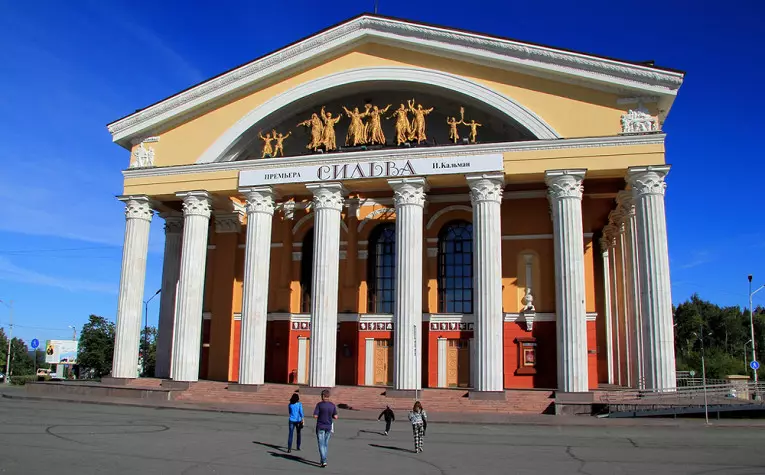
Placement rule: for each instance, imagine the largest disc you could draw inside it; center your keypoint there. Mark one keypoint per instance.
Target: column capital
(617, 219)
(647, 180)
(229, 222)
(327, 195)
(173, 222)
(486, 187)
(565, 183)
(259, 200)
(196, 203)
(409, 191)
(626, 202)
(353, 206)
(137, 207)
(288, 209)
(610, 232)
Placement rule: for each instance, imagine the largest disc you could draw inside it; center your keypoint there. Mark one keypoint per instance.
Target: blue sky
(67, 69)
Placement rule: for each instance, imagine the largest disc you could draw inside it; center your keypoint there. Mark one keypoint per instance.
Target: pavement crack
(634, 444)
(582, 462)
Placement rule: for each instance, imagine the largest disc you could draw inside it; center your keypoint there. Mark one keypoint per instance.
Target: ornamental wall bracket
(639, 121)
(143, 157)
(529, 316)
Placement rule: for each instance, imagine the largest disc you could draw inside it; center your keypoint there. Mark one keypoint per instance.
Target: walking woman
(419, 420)
(296, 420)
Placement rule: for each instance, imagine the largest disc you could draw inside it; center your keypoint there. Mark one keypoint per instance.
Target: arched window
(381, 264)
(455, 268)
(306, 272)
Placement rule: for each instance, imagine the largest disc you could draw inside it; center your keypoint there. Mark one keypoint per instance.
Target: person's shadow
(294, 458)
(270, 446)
(371, 432)
(390, 447)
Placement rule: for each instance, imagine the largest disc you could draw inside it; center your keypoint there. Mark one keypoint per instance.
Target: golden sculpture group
(361, 133)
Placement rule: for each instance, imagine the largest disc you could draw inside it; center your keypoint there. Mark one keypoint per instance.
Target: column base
(487, 395)
(175, 385)
(574, 403)
(110, 381)
(245, 388)
(402, 393)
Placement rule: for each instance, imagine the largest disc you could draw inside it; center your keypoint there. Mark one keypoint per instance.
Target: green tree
(21, 363)
(96, 346)
(150, 359)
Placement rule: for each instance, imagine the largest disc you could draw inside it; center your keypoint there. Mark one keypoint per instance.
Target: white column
(409, 199)
(138, 216)
(171, 268)
(369, 361)
(442, 362)
(486, 197)
(632, 287)
(611, 232)
(604, 249)
(191, 285)
(622, 301)
(565, 193)
(257, 260)
(302, 351)
(648, 189)
(327, 204)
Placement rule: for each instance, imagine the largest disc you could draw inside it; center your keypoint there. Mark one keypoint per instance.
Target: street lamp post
(8, 304)
(746, 366)
(146, 329)
(751, 325)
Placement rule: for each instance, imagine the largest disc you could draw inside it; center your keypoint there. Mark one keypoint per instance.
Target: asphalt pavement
(66, 438)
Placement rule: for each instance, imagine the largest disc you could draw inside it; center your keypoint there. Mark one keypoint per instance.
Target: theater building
(501, 225)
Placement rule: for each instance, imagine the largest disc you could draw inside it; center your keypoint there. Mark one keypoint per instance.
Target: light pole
(146, 329)
(8, 304)
(703, 373)
(74, 332)
(746, 366)
(751, 325)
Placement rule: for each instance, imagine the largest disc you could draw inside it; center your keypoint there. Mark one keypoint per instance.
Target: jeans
(294, 426)
(323, 435)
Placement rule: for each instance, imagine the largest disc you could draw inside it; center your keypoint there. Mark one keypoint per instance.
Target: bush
(22, 380)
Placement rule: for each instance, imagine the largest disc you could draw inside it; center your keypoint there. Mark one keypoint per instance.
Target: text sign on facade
(343, 170)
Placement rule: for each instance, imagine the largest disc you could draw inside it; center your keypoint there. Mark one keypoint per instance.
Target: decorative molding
(511, 317)
(297, 256)
(196, 203)
(142, 157)
(409, 191)
(288, 210)
(386, 325)
(647, 180)
(139, 140)
(300, 223)
(387, 213)
(327, 196)
(363, 254)
(451, 326)
(600, 73)
(228, 223)
(486, 187)
(211, 247)
(259, 200)
(639, 122)
(565, 184)
(343, 254)
(400, 154)
(526, 237)
(432, 252)
(443, 211)
(137, 207)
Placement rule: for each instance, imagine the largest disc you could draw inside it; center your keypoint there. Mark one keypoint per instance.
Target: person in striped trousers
(419, 420)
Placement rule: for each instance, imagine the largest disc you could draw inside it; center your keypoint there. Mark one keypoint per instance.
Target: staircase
(371, 398)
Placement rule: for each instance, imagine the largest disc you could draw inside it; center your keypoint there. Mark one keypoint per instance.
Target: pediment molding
(503, 53)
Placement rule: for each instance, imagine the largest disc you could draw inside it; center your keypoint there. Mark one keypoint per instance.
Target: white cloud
(11, 272)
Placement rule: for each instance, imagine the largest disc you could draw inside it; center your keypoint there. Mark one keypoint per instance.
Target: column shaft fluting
(171, 269)
(565, 194)
(191, 284)
(632, 287)
(648, 189)
(327, 205)
(409, 199)
(138, 216)
(606, 254)
(486, 197)
(257, 260)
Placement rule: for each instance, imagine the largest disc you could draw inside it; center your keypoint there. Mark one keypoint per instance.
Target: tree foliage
(96, 346)
(723, 331)
(149, 335)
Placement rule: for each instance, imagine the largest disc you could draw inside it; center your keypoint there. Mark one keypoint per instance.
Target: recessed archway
(219, 150)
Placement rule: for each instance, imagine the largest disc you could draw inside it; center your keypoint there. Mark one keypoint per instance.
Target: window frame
(455, 268)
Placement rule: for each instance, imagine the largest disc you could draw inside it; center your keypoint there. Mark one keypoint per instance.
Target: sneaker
(323, 464)
(298, 449)
(289, 451)
(386, 432)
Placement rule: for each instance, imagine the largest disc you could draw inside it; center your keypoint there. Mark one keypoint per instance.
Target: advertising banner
(61, 351)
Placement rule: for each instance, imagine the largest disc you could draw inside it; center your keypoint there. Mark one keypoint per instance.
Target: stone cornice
(503, 53)
(398, 154)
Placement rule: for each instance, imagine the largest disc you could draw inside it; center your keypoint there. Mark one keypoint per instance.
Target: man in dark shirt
(324, 414)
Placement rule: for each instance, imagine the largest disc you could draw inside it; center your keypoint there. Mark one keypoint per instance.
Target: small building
(398, 204)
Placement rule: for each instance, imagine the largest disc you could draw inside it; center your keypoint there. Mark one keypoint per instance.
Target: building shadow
(294, 458)
(390, 447)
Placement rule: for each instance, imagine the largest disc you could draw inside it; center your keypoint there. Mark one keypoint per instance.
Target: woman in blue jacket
(296, 420)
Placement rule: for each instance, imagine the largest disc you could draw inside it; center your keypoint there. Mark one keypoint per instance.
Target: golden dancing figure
(473, 129)
(357, 130)
(328, 138)
(403, 128)
(376, 135)
(453, 134)
(418, 121)
(268, 150)
(279, 147)
(317, 131)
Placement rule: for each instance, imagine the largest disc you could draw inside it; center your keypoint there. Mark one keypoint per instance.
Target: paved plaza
(82, 439)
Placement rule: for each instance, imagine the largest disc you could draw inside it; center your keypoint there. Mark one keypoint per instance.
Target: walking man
(324, 414)
(389, 418)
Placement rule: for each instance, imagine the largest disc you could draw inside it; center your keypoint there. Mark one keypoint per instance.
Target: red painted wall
(347, 354)
(592, 355)
(235, 350)
(546, 376)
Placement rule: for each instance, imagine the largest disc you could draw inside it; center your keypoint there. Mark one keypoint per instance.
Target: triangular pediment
(621, 77)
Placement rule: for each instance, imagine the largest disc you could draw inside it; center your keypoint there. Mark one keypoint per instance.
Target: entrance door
(383, 363)
(458, 363)
(304, 360)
